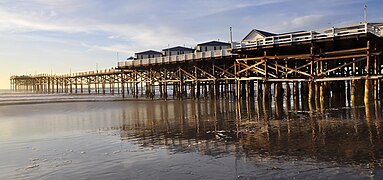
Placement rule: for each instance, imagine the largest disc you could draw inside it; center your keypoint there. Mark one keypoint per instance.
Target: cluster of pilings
(92, 83)
(303, 95)
(325, 73)
(308, 95)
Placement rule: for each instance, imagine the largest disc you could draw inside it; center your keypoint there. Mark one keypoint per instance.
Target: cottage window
(215, 48)
(205, 48)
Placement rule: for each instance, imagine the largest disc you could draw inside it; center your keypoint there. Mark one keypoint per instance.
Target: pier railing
(175, 58)
(69, 75)
(376, 29)
(96, 72)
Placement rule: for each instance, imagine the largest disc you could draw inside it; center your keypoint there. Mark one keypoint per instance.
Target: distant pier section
(317, 67)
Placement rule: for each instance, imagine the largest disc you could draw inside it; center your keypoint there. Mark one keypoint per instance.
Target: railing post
(311, 35)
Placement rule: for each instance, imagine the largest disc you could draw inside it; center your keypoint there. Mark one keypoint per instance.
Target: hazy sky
(59, 36)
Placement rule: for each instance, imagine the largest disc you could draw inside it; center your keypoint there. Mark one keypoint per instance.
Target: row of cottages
(207, 46)
(252, 36)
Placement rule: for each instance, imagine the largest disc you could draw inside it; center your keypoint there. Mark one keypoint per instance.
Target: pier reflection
(257, 129)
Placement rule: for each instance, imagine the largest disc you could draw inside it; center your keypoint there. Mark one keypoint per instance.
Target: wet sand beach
(188, 139)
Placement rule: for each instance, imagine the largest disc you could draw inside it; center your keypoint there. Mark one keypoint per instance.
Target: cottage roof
(293, 32)
(214, 43)
(178, 48)
(148, 52)
(260, 32)
(375, 23)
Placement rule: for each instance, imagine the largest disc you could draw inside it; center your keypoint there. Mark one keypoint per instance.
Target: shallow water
(189, 139)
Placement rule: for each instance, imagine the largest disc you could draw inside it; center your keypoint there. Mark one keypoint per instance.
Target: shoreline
(36, 101)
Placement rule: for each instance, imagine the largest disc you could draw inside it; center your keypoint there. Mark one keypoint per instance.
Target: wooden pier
(314, 69)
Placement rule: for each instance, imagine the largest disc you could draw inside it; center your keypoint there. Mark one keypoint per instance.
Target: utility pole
(168, 50)
(365, 13)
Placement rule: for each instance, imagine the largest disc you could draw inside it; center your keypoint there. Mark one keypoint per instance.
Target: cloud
(149, 34)
(2, 53)
(307, 20)
(112, 48)
(207, 8)
(153, 24)
(147, 23)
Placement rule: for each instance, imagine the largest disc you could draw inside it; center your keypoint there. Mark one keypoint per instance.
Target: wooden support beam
(188, 74)
(340, 57)
(347, 51)
(287, 57)
(344, 65)
(225, 71)
(256, 70)
(293, 70)
(249, 67)
(298, 68)
(206, 73)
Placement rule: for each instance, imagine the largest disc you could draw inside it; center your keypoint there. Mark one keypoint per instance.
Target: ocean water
(103, 137)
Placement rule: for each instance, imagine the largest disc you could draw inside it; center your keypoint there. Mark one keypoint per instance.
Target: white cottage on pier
(256, 34)
(147, 54)
(212, 46)
(176, 51)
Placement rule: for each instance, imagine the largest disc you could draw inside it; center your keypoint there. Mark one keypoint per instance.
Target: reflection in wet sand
(259, 138)
(346, 135)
